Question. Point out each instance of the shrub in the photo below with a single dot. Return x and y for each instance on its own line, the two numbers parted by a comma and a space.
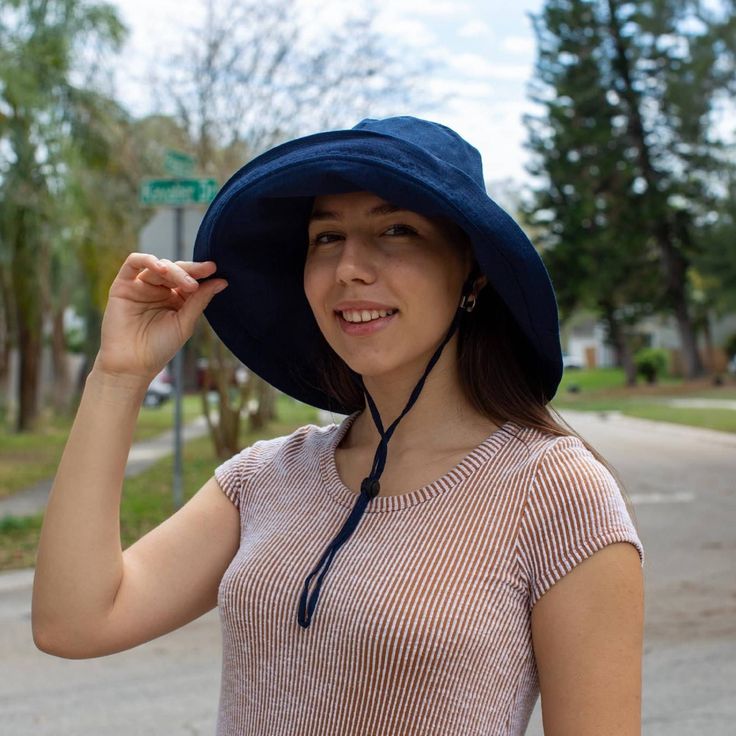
651, 363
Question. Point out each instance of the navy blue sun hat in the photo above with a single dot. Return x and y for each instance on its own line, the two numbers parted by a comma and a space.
256, 232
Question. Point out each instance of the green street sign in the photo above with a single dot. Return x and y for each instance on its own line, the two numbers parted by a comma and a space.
177, 192
178, 163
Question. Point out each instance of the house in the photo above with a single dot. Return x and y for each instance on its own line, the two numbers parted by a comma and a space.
584, 338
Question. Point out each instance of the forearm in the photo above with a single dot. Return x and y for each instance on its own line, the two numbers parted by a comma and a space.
79, 565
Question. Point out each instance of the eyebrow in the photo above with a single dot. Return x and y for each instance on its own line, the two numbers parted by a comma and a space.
382, 209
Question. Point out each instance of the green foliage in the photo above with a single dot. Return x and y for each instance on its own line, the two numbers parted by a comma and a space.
42, 46
630, 173
651, 363
587, 204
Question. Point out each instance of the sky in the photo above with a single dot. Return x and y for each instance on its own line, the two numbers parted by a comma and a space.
486, 48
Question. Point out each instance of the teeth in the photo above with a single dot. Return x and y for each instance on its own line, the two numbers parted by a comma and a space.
365, 315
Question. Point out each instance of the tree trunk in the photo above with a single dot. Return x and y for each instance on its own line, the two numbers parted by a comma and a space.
29, 348
618, 336
62, 386
28, 320
709, 346
6, 338
266, 410
674, 263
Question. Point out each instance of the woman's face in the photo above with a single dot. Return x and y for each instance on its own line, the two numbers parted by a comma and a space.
383, 283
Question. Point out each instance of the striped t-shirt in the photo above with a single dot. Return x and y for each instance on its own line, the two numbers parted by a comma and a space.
423, 625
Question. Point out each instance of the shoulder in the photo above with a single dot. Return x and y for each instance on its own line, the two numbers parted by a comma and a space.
568, 473
300, 448
574, 508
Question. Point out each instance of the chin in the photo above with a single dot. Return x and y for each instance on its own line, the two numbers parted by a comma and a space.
385, 370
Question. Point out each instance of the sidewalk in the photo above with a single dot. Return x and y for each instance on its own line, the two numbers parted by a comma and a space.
702, 403
142, 455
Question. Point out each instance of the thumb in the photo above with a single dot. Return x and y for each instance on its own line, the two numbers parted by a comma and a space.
197, 302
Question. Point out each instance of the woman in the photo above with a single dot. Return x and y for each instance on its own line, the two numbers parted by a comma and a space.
428, 565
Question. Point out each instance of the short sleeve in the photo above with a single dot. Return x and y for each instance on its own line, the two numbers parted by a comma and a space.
234, 474
574, 508
231, 475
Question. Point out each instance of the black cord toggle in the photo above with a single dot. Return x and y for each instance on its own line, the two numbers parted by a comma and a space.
370, 486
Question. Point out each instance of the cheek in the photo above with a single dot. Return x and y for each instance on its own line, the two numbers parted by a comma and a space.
314, 286
445, 279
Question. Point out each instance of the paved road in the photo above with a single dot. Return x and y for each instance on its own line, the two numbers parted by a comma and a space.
683, 484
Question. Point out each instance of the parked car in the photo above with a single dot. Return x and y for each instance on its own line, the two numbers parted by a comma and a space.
571, 361
159, 390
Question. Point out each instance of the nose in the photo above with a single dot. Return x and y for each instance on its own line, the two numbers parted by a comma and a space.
356, 261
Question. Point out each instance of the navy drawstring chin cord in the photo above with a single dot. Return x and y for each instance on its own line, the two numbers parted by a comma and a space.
370, 486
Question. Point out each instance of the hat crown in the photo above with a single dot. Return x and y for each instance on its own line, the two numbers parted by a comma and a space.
439, 140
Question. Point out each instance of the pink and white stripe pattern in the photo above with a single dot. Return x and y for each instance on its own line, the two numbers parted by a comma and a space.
423, 623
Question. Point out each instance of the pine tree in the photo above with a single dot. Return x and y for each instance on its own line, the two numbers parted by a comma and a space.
593, 241
661, 66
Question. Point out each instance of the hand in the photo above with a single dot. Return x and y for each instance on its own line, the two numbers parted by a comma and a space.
152, 308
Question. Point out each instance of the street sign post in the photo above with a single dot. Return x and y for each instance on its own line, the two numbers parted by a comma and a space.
178, 193
178, 163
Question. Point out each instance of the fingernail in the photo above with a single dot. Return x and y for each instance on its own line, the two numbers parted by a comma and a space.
220, 287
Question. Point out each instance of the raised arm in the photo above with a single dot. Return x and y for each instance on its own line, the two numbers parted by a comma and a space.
89, 597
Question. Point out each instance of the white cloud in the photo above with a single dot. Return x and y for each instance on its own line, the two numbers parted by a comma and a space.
474, 28
479, 67
435, 8
409, 31
519, 44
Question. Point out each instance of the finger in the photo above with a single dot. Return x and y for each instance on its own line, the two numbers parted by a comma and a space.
198, 269
135, 263
174, 276
196, 303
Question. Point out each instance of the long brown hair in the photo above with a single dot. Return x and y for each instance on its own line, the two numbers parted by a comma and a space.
497, 367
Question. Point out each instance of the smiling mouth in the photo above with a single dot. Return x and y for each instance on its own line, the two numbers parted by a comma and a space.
365, 315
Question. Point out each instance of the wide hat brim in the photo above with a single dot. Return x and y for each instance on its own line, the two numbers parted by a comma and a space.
256, 232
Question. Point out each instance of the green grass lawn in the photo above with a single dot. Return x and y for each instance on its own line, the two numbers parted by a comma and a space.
605, 390
147, 498
27, 458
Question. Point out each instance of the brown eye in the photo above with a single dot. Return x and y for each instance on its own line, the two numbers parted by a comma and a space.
324, 239
400, 230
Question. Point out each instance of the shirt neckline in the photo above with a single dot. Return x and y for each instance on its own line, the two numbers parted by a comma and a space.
381, 504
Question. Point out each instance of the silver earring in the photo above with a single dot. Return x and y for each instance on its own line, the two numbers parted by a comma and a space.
469, 303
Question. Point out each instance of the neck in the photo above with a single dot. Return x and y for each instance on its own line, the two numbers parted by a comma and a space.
439, 410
